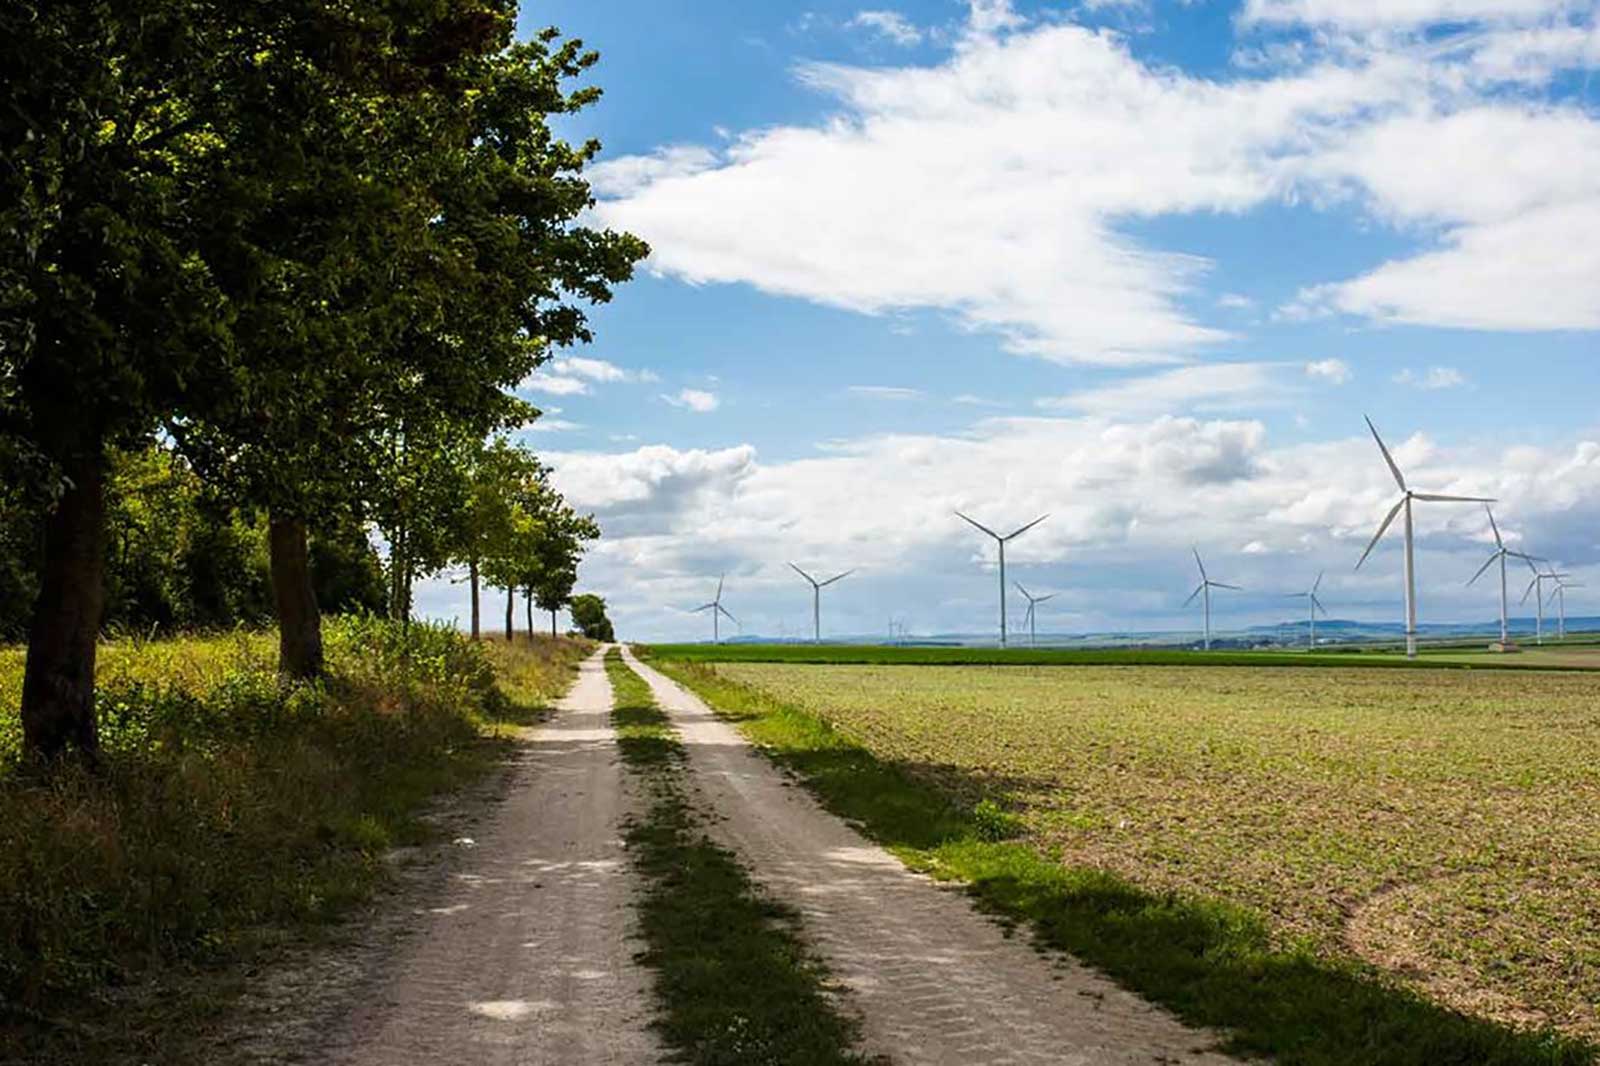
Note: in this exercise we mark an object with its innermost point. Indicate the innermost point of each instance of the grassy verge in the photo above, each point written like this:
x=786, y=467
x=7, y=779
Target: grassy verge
x=1451, y=659
x=1211, y=963
x=231, y=813
x=734, y=980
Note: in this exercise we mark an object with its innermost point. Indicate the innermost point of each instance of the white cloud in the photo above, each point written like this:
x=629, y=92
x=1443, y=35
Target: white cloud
x=886, y=392
x=1210, y=387
x=1235, y=302
x=1437, y=377
x=1066, y=137
x=1127, y=499
x=1334, y=371
x=697, y=400
x=556, y=384
x=571, y=375
x=891, y=25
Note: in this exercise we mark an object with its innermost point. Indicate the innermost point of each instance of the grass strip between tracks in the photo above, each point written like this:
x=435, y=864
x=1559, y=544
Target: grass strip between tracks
x=1212, y=964
x=734, y=980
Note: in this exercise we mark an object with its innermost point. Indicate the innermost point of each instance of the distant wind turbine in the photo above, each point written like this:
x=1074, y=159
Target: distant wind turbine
x=1561, y=601
x=1407, y=496
x=1002, y=541
x=717, y=611
x=816, y=598
x=1537, y=585
x=1204, y=589
x=1032, y=619
x=1501, y=554
x=1314, y=604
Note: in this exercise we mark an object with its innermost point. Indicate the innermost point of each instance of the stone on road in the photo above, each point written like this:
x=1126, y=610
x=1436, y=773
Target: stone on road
x=526, y=960
x=934, y=980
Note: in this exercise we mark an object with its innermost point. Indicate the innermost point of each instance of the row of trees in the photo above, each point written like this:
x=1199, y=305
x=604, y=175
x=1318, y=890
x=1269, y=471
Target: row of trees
x=310, y=247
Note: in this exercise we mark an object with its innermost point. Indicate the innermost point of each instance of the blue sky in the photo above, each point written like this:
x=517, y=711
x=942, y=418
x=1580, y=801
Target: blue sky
x=1141, y=265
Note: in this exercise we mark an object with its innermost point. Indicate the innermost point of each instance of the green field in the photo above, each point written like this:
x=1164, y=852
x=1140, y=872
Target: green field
x=1442, y=826
x=1572, y=656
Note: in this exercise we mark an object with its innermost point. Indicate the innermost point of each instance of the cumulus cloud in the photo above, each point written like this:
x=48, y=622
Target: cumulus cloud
x=1067, y=137
x=1333, y=371
x=571, y=375
x=1127, y=498
x=697, y=400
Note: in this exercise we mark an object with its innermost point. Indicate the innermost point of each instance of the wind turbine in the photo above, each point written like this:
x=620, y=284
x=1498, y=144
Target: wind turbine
x=1033, y=602
x=1315, y=606
x=1002, y=541
x=1501, y=554
x=1407, y=496
x=717, y=610
x=816, y=599
x=1206, y=585
x=1561, y=600
x=1537, y=584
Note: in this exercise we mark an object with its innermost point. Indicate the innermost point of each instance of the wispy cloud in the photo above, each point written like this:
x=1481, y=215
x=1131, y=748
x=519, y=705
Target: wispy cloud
x=1212, y=387
x=886, y=392
x=697, y=400
x=890, y=25
x=572, y=375
x=1435, y=377
x=1333, y=371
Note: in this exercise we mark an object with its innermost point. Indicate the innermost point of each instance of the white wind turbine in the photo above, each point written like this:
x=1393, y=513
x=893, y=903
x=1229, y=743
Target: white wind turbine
x=1407, y=496
x=1204, y=589
x=1537, y=585
x=1032, y=619
x=717, y=610
x=1501, y=554
x=1314, y=604
x=1002, y=541
x=816, y=599
x=1561, y=601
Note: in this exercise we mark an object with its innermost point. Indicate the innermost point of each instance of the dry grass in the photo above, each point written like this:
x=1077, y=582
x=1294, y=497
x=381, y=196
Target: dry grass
x=1445, y=825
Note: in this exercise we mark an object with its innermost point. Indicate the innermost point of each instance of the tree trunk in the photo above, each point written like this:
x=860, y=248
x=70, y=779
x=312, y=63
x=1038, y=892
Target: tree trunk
x=552, y=621
x=472, y=573
x=511, y=607
x=299, y=622
x=58, y=682
x=527, y=603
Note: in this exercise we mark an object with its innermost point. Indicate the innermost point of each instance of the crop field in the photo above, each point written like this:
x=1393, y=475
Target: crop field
x=1572, y=656
x=1442, y=826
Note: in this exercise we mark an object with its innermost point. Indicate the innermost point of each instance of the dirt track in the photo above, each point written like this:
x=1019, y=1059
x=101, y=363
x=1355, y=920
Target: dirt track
x=525, y=959
x=935, y=981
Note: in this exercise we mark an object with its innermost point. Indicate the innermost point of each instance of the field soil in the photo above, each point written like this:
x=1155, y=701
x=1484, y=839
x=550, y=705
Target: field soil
x=522, y=955
x=935, y=981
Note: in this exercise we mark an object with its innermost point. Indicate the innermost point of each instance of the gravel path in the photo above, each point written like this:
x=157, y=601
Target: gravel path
x=525, y=959
x=935, y=981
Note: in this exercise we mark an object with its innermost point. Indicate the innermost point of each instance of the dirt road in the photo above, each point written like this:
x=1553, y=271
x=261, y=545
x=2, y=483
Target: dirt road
x=525, y=959
x=935, y=981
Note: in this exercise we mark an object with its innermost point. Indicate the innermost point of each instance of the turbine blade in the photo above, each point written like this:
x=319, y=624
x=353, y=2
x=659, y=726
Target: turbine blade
x=1384, y=448
x=727, y=614
x=1531, y=586
x=1053, y=595
x=703, y=607
x=836, y=577
x=1024, y=529
x=980, y=525
x=1193, y=594
x=1317, y=604
x=1022, y=590
x=720, y=580
x=1494, y=526
x=1318, y=583
x=1387, y=522
x=1220, y=585
x=1483, y=568
x=1200, y=564
x=802, y=573
x=1434, y=497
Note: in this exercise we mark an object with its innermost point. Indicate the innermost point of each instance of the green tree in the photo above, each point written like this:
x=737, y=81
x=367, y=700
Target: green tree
x=589, y=615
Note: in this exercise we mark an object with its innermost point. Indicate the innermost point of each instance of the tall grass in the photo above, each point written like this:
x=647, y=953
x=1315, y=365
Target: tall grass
x=229, y=802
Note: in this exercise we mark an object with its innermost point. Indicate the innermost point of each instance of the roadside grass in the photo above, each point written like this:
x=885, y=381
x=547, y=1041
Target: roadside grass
x=959, y=795
x=230, y=813
x=1452, y=657
x=734, y=980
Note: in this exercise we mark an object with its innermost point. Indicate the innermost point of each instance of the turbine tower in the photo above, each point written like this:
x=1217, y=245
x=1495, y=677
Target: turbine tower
x=1537, y=585
x=1204, y=589
x=1501, y=554
x=1033, y=603
x=1314, y=604
x=1406, y=498
x=816, y=599
x=1561, y=601
x=717, y=611
x=1002, y=541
